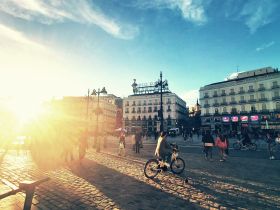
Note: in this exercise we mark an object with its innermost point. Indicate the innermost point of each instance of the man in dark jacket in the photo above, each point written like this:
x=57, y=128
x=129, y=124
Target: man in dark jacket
x=208, y=143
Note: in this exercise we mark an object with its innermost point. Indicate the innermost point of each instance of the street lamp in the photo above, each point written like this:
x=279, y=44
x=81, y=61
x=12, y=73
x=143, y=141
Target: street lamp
x=97, y=112
x=162, y=85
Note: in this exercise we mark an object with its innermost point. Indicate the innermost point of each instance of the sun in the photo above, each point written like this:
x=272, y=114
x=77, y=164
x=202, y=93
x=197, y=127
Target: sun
x=25, y=110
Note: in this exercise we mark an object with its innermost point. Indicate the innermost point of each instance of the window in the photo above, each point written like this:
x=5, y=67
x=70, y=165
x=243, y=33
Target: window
x=205, y=95
x=233, y=110
x=276, y=93
x=253, y=108
x=207, y=111
x=251, y=97
x=223, y=92
x=263, y=106
x=139, y=103
x=261, y=86
x=144, y=103
x=224, y=100
x=241, y=89
x=250, y=87
x=274, y=83
x=242, y=98
x=262, y=96
x=224, y=109
x=243, y=108
x=126, y=110
x=216, y=101
x=206, y=102
x=127, y=103
x=231, y=90
x=278, y=105
x=232, y=99
x=216, y=111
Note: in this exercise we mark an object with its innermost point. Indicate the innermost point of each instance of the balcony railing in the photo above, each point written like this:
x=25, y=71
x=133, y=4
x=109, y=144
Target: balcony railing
x=275, y=86
x=168, y=110
x=144, y=111
x=215, y=95
x=251, y=90
x=126, y=104
x=263, y=99
x=133, y=111
x=276, y=98
x=261, y=89
x=126, y=111
x=133, y=104
x=206, y=105
x=223, y=94
x=168, y=102
x=242, y=101
x=231, y=93
x=216, y=104
x=223, y=103
x=224, y=112
x=241, y=92
x=252, y=100
x=232, y=102
x=138, y=111
x=206, y=96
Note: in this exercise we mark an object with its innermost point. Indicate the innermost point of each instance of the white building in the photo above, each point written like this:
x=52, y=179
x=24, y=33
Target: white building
x=142, y=109
x=244, y=100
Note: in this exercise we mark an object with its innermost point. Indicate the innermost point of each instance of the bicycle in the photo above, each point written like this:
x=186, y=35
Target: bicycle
x=238, y=145
x=154, y=166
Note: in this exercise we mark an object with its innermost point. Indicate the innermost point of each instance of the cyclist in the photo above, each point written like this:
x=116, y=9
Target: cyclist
x=163, y=149
x=246, y=140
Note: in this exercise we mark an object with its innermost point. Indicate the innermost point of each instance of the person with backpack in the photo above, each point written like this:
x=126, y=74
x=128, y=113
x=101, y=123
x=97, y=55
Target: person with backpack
x=208, y=143
x=221, y=143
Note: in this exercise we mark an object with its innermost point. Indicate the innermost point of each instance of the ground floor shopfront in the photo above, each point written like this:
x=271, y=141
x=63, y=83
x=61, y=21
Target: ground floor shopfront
x=238, y=123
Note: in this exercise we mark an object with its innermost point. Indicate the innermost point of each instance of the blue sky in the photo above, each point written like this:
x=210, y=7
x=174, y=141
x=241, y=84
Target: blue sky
x=63, y=47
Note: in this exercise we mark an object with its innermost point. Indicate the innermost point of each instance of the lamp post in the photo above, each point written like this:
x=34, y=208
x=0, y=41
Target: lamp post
x=162, y=85
x=97, y=112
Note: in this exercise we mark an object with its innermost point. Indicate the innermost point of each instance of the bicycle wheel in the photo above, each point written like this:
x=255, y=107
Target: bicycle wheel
x=177, y=166
x=151, y=168
x=236, y=146
x=253, y=147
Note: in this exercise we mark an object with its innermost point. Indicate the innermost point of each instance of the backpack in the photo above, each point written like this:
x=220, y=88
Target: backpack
x=221, y=144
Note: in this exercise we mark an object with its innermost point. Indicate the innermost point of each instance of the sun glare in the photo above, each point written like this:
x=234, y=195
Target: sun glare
x=26, y=110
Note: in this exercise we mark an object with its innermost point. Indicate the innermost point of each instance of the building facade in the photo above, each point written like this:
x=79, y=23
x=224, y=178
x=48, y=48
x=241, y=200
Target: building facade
x=83, y=110
x=142, y=109
x=248, y=100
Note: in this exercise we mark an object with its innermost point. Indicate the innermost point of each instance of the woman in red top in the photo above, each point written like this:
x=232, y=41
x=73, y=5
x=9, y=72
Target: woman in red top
x=221, y=143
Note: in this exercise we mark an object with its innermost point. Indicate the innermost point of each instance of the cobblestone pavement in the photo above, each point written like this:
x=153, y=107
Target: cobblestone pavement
x=105, y=181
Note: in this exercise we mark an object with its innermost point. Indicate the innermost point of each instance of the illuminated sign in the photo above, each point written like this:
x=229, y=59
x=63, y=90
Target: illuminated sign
x=254, y=118
x=225, y=119
x=244, y=118
x=234, y=118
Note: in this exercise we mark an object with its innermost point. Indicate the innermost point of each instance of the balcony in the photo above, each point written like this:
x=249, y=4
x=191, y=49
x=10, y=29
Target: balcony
x=206, y=96
x=138, y=111
x=126, y=104
x=133, y=111
x=241, y=92
x=144, y=111
x=155, y=110
x=156, y=103
x=263, y=99
x=149, y=111
x=252, y=100
x=242, y=101
x=224, y=112
x=275, y=86
x=276, y=98
x=251, y=90
x=126, y=112
x=232, y=102
x=231, y=93
x=223, y=94
x=216, y=104
x=215, y=95
x=206, y=105
x=223, y=103
x=168, y=102
x=134, y=104
x=168, y=110
x=261, y=89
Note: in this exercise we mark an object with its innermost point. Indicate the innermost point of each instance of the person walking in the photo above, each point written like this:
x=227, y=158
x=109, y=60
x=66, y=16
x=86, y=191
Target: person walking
x=221, y=143
x=208, y=143
x=122, y=144
x=270, y=143
x=138, y=137
x=83, y=145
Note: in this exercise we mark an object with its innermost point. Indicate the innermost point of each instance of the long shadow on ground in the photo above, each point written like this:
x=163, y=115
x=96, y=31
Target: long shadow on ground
x=126, y=191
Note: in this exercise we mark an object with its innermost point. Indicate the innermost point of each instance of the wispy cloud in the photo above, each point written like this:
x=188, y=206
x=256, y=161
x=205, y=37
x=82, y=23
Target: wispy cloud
x=53, y=11
x=264, y=46
x=258, y=13
x=191, y=10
